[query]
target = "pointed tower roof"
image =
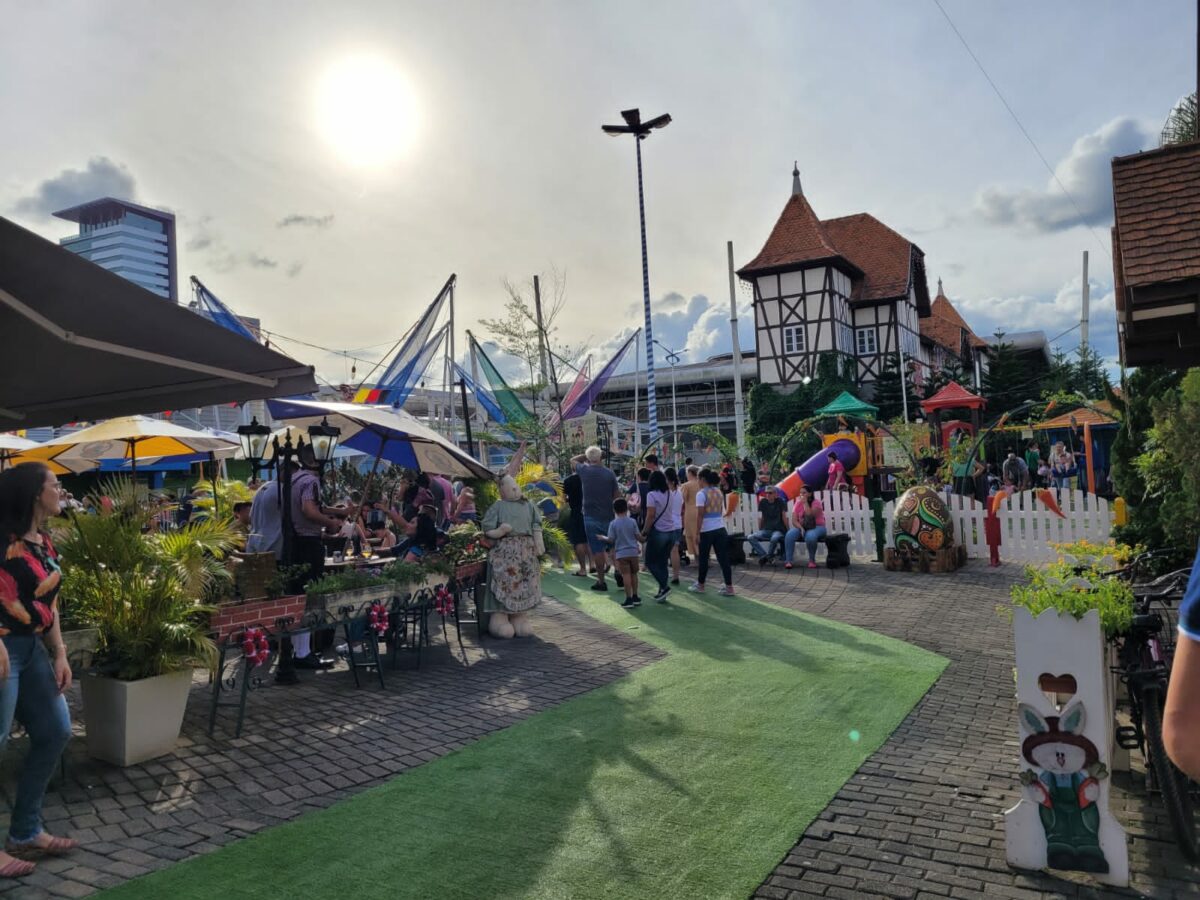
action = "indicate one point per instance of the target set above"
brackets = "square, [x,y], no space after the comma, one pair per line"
[942,326]
[797,238]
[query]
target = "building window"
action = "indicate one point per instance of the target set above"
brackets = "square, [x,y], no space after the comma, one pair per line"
[865,338]
[793,339]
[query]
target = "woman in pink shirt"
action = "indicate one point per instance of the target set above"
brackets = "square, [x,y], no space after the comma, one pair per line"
[836,479]
[808,522]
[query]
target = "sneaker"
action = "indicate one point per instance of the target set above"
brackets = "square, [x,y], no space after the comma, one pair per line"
[619,579]
[674,581]
[726,591]
[637,601]
[600,586]
[812,565]
[787,565]
[661,593]
[696,587]
[628,603]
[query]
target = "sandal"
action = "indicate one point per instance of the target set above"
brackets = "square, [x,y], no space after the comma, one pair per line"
[16,868]
[55,846]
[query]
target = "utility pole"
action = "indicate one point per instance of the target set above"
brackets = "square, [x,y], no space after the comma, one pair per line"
[1083,321]
[546,354]
[739,407]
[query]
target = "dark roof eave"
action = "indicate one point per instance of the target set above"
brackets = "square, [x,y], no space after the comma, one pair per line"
[852,270]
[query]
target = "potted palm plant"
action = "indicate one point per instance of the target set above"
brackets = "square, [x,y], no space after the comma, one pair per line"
[149,597]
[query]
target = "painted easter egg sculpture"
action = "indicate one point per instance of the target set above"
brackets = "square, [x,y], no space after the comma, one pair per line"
[922,521]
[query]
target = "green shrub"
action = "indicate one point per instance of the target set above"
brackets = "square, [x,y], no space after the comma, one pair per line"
[1057,586]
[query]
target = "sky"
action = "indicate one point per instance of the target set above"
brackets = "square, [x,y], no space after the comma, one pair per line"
[331,164]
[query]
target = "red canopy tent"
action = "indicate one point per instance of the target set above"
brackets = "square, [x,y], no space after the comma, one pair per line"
[952,396]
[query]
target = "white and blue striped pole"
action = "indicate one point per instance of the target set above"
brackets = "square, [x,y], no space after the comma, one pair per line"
[651,396]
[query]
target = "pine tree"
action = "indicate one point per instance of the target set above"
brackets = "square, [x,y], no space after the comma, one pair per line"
[888,395]
[1006,382]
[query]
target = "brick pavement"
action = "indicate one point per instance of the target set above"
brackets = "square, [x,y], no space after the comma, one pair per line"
[307,746]
[923,817]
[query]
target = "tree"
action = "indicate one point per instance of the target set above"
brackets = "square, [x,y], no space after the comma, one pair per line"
[939,378]
[888,396]
[1183,124]
[517,332]
[1146,386]
[1006,383]
[772,412]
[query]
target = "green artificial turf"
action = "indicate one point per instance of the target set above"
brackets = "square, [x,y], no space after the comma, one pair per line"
[689,778]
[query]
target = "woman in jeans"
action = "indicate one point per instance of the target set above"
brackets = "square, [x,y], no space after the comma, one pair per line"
[673,487]
[808,522]
[663,529]
[33,679]
[710,507]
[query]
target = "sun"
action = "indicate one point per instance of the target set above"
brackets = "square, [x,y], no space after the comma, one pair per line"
[366,110]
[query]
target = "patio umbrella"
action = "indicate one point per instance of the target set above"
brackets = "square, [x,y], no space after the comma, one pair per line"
[11,445]
[82,343]
[129,437]
[385,433]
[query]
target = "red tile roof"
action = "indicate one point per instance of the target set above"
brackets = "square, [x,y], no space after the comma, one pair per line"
[953,396]
[798,236]
[945,325]
[878,259]
[884,256]
[1156,198]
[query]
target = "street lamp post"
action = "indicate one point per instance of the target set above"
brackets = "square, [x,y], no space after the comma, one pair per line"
[639,129]
[673,357]
[322,440]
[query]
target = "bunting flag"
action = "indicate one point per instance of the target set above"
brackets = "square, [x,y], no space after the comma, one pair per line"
[485,399]
[400,370]
[514,410]
[399,392]
[207,305]
[582,379]
[592,391]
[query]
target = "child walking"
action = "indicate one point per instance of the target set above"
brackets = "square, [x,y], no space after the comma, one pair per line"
[625,539]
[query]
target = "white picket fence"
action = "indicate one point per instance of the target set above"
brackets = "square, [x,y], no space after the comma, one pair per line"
[844,512]
[1027,527]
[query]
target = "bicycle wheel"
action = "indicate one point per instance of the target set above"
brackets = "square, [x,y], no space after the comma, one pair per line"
[1171,782]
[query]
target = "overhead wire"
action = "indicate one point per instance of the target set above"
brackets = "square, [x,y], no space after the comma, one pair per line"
[1021,126]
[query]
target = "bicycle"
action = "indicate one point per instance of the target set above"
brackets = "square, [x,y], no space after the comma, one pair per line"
[1144,653]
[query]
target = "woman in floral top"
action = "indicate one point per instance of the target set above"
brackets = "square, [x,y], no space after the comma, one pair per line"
[33,661]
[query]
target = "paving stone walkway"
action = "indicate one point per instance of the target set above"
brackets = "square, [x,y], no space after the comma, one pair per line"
[305,747]
[923,817]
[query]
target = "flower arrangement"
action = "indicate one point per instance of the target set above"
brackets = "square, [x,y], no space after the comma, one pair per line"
[255,647]
[377,619]
[464,546]
[443,602]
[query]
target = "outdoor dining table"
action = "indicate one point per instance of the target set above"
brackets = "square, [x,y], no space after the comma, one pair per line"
[356,562]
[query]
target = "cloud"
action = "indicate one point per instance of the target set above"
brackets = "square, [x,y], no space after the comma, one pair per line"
[305,221]
[1053,314]
[1085,171]
[294,269]
[100,178]
[260,262]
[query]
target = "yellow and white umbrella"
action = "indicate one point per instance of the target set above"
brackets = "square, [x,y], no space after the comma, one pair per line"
[129,437]
[11,445]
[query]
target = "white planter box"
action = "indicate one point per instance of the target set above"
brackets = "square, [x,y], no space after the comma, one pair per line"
[129,722]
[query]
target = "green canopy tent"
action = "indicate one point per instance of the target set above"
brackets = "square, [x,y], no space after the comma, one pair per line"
[846,404]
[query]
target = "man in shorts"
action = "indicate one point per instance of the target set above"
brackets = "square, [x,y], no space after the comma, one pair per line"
[600,489]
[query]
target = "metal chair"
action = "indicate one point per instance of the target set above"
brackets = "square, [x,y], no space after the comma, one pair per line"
[356,625]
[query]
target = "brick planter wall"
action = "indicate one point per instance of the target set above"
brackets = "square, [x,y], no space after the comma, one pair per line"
[234,615]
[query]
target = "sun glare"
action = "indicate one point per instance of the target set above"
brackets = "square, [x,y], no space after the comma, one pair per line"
[366,111]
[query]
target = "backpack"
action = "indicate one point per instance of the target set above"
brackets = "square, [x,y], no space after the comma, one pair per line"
[1012,471]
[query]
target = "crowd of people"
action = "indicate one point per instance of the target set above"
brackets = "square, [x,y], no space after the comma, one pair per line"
[669,519]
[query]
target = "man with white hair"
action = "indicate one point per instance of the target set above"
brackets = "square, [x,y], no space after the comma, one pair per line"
[600,488]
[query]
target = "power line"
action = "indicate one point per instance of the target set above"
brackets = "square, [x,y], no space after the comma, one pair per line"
[1017,119]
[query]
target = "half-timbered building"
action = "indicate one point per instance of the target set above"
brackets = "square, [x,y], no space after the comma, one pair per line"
[946,338]
[849,286]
